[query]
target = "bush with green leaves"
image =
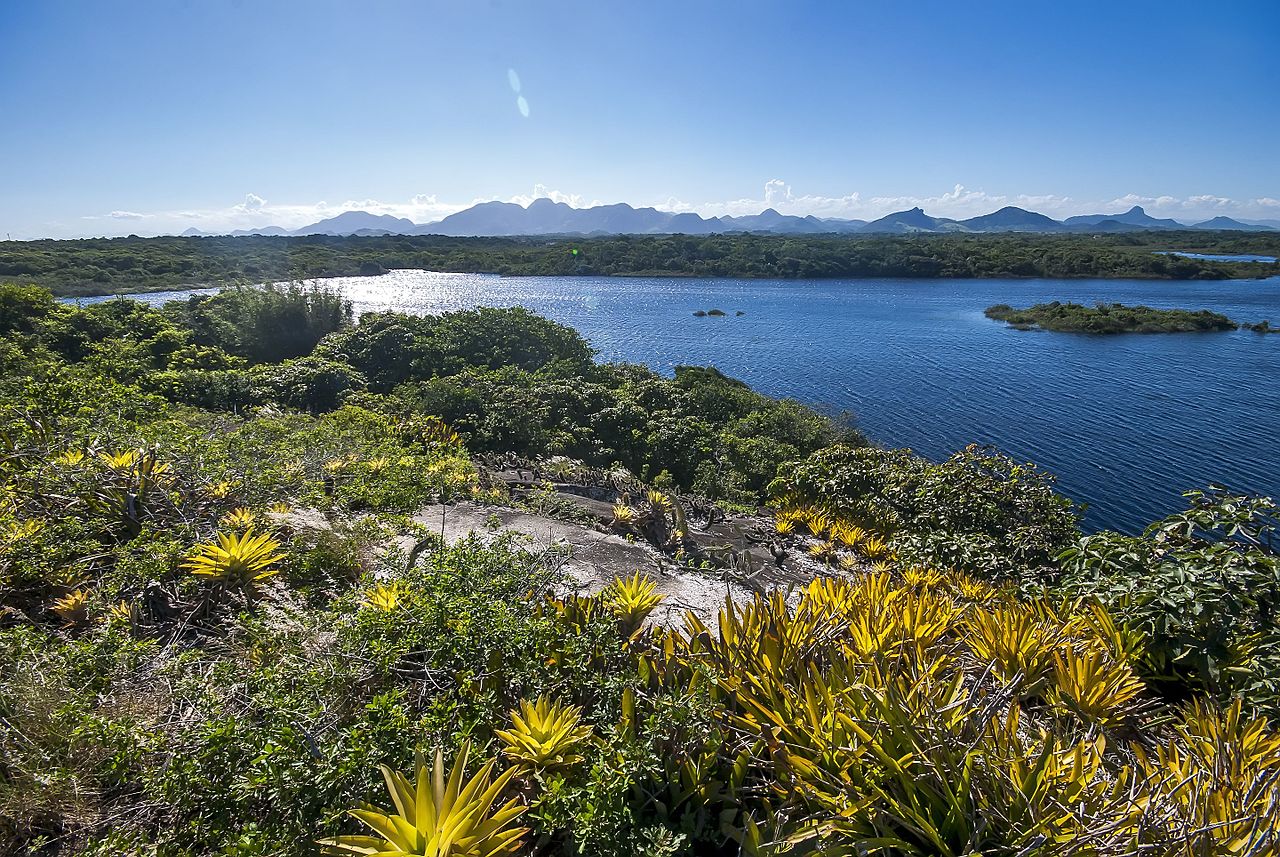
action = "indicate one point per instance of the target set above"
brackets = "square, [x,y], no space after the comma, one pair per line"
[979,511]
[1203,588]
[390,348]
[263,324]
[707,431]
[308,383]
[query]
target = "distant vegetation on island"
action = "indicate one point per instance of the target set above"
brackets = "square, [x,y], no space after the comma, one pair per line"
[106,266]
[1109,318]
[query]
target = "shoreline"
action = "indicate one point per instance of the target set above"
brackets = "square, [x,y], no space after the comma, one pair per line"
[185,287]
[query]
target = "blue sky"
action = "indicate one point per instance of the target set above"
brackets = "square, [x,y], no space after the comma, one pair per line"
[153,116]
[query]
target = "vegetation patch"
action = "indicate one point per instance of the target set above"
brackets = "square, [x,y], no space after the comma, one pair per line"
[1109,318]
[210,643]
[97,266]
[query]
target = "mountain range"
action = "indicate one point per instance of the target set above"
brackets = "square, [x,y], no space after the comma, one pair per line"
[546,217]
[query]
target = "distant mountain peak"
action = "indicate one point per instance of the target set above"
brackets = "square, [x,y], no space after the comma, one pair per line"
[910,220]
[546,216]
[349,222]
[1135,218]
[1223,222]
[1012,219]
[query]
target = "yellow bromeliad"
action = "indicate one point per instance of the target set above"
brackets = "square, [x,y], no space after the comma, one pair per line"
[824,551]
[874,548]
[219,490]
[1220,778]
[243,558]
[240,518]
[1015,642]
[439,815]
[966,588]
[72,608]
[1123,643]
[817,522]
[660,502]
[632,599]
[435,433]
[384,597]
[545,734]
[848,534]
[337,465]
[16,532]
[787,518]
[124,460]
[121,611]
[1094,688]
[921,578]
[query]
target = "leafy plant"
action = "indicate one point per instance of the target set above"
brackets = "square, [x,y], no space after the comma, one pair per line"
[545,735]
[631,599]
[1016,643]
[1174,584]
[383,596]
[439,815]
[978,511]
[242,558]
[1094,688]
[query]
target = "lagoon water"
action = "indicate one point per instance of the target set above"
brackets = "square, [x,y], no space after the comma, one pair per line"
[1127,422]
[1219,257]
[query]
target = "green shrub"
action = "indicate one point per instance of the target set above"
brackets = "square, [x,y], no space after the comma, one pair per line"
[979,511]
[1203,587]
[265,324]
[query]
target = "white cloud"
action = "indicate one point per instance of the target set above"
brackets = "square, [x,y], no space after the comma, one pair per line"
[126,215]
[777,192]
[541,191]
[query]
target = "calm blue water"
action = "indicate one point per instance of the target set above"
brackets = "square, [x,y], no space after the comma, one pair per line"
[1217,257]
[1127,422]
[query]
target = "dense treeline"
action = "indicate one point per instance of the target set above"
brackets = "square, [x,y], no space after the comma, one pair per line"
[506,379]
[104,266]
[213,632]
[1109,318]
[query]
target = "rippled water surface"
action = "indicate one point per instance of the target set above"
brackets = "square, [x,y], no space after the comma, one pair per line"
[1127,422]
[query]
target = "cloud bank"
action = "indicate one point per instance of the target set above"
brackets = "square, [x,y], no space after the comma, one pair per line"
[959,202]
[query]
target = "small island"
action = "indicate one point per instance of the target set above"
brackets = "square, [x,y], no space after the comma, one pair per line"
[1109,318]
